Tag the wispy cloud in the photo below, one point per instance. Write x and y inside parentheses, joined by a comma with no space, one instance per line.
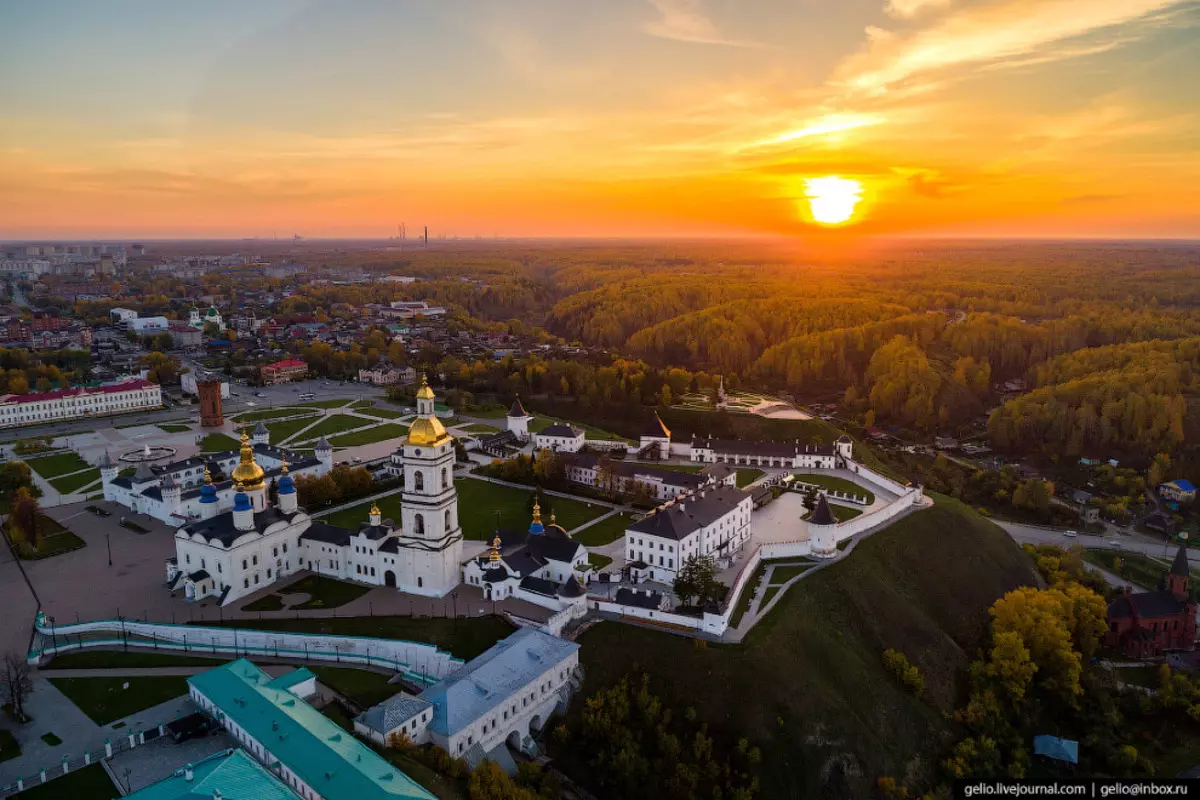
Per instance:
(686,21)
(911,8)
(1015,29)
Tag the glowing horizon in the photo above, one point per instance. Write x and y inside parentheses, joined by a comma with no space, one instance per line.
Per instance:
(635,118)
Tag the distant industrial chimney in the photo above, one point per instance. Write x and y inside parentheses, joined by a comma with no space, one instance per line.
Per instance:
(427,236)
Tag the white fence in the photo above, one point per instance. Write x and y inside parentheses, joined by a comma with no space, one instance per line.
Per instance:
(420,663)
(878,479)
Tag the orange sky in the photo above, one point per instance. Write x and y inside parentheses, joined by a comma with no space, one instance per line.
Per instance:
(631,117)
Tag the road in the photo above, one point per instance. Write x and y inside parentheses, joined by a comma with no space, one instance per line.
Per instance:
(1133,543)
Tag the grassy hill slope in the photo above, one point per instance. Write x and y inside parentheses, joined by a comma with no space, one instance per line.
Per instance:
(808,685)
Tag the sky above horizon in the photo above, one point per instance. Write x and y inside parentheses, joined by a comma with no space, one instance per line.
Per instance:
(582,118)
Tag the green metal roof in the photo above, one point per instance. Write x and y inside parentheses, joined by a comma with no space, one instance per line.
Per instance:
(332,761)
(290,679)
(233,773)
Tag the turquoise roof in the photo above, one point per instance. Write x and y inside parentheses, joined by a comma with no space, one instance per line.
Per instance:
(233,773)
(287,681)
(330,760)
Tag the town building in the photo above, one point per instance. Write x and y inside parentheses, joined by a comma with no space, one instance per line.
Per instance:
(711,522)
(306,750)
(184,335)
(1146,624)
(772,454)
(199,320)
(234,553)
(517,421)
(502,697)
(544,566)
(1081,503)
(148,326)
(622,477)
(228,774)
(386,375)
(87,401)
(183,491)
(559,438)
(1178,491)
(291,369)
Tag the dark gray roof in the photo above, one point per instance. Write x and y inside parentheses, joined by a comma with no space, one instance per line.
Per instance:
(654,427)
(845,439)
(221,529)
(522,563)
(561,431)
(629,597)
(374,532)
(107,460)
(630,469)
(822,515)
(571,587)
(1146,605)
(680,519)
(327,533)
(198,575)
(1180,565)
(144,474)
(1080,498)
(392,713)
(516,409)
(539,586)
(764,449)
(123,481)
(390,546)
(261,430)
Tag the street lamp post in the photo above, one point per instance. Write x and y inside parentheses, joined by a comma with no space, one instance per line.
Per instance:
(108,545)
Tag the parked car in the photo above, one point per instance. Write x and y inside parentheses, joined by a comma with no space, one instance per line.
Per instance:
(193,726)
(1114,543)
(1070,534)
(260,394)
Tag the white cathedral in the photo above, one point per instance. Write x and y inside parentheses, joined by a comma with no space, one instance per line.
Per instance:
(231,554)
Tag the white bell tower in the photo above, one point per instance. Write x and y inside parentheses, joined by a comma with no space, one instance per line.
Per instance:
(430,544)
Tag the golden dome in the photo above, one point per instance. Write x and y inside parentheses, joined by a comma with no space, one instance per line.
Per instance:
(374,512)
(427,431)
(425,392)
(495,554)
(248,472)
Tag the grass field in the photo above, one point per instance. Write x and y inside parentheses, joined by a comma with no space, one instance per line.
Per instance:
(747,476)
(58,464)
(479,427)
(380,433)
(272,413)
(843,513)
(335,403)
(77,481)
(598,560)
(360,686)
(52,545)
(492,412)
(604,532)
(836,484)
(218,443)
(770,592)
(8,745)
(540,423)
(283,429)
(268,602)
(478,502)
(117,659)
(385,413)
(324,592)
(786,573)
(105,701)
(691,469)
(827,716)
(174,428)
(334,423)
(87,783)
(747,596)
(1136,568)
(463,638)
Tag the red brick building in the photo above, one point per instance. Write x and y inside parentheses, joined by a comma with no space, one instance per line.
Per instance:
(1145,624)
(292,369)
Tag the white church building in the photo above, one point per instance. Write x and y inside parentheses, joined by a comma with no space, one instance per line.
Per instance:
(231,554)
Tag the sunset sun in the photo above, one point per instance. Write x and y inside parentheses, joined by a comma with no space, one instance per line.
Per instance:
(831,199)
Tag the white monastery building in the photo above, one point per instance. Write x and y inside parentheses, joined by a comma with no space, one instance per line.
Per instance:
(772,454)
(517,421)
(559,438)
(230,554)
(711,522)
(87,401)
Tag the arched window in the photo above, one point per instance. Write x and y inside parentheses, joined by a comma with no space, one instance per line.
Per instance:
(445,479)
(448,526)
(419,481)
(419,524)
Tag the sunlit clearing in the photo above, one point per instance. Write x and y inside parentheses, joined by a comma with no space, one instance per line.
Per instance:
(832,199)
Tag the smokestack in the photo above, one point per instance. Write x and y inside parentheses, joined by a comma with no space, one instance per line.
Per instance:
(187,773)
(427,236)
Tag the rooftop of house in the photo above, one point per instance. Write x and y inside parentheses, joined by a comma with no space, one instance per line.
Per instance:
(229,774)
(679,519)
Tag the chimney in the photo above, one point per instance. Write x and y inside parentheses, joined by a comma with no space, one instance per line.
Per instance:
(216,794)
(187,773)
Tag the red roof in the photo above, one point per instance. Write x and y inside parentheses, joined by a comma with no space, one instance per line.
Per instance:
(127,386)
(286,363)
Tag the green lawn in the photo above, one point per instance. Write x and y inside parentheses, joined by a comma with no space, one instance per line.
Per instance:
(116,659)
(479,427)
(493,412)
(836,484)
(747,476)
(385,413)
(269,602)
(105,701)
(380,433)
(218,443)
(478,502)
(598,560)
(747,596)
(1136,568)
(87,783)
(604,532)
(922,585)
(77,481)
(787,572)
(8,745)
(55,465)
(843,513)
(360,686)
(172,428)
(51,738)
(336,403)
(691,469)
(282,430)
(768,594)
(540,423)
(272,413)
(1139,676)
(324,592)
(463,638)
(55,541)
(334,423)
